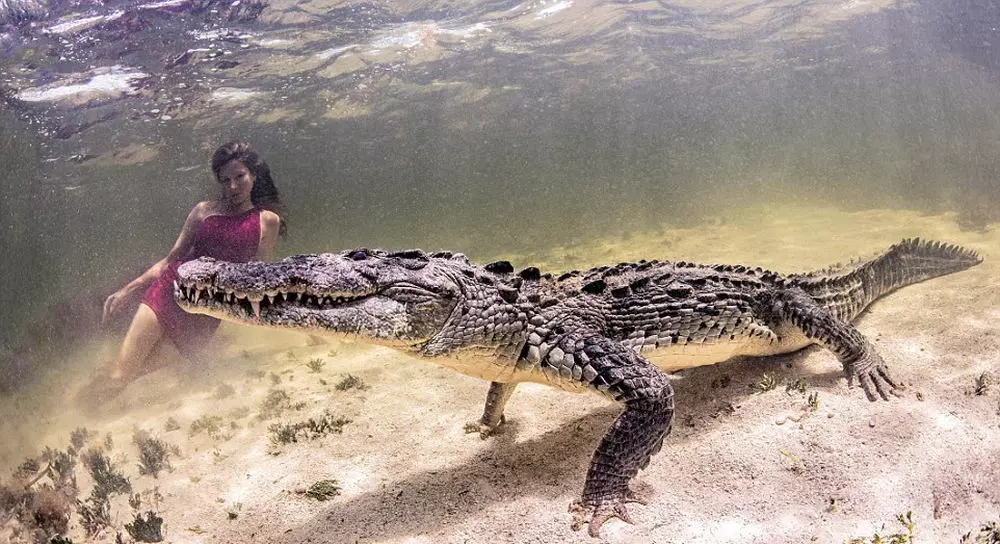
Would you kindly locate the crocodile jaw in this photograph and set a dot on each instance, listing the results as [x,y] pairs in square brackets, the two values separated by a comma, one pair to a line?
[334,299]
[356,317]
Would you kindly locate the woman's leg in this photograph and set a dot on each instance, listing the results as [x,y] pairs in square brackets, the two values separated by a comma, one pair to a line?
[142,336]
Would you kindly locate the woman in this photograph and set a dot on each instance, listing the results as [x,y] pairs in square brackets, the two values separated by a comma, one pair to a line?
[241,225]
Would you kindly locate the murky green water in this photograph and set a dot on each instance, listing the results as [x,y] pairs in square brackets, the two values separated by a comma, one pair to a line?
[483,127]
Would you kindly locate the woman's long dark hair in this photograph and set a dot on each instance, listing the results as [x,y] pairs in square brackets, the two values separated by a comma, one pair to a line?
[264,194]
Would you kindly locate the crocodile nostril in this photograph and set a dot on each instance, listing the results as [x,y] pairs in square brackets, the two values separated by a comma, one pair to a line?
[359,255]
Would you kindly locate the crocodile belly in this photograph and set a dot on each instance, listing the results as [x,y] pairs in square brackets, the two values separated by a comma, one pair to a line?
[681,356]
[692,354]
[487,367]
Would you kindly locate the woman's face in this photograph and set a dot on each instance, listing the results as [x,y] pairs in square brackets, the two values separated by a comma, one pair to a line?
[237,182]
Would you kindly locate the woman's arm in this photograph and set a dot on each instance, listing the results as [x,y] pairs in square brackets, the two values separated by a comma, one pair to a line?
[181,247]
[270,224]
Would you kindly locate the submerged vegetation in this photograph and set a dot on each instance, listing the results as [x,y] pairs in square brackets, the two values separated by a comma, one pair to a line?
[37,506]
[315,365]
[210,425]
[95,512]
[108,480]
[983,383]
[899,537]
[275,403]
[40,513]
[764,384]
[171,425]
[324,490]
[800,385]
[154,454]
[310,429]
[351,382]
[148,529]
[79,437]
[798,467]
[988,533]
[812,404]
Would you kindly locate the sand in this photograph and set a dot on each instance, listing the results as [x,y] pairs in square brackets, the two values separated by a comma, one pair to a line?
[740,465]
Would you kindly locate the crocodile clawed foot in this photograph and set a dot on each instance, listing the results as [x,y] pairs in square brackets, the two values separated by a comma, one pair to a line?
[595,515]
[484,430]
[873,375]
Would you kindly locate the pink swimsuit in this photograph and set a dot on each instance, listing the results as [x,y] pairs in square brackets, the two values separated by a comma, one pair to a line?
[231,238]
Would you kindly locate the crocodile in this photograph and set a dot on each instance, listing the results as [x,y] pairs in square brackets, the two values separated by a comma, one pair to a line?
[615,330]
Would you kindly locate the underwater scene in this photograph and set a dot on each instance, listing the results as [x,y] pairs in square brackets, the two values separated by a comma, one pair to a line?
[545,271]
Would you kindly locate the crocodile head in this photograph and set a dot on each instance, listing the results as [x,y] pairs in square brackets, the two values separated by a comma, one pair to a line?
[398,298]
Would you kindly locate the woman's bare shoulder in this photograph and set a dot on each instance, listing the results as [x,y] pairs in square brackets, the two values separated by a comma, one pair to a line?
[203,209]
[270,218]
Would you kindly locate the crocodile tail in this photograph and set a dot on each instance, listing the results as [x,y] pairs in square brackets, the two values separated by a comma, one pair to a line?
[847,290]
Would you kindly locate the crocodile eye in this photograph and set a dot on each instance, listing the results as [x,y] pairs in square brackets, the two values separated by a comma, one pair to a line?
[359,255]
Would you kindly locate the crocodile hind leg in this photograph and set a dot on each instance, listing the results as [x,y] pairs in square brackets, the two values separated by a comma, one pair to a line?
[634,437]
[492,419]
[857,354]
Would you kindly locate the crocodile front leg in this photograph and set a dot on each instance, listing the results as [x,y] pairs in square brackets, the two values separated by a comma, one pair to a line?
[496,400]
[636,435]
[861,361]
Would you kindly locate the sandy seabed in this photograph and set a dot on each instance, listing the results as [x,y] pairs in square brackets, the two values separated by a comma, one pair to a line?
[740,465]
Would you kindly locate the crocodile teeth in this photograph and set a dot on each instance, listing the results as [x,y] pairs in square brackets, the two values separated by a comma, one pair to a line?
[197,296]
[255,304]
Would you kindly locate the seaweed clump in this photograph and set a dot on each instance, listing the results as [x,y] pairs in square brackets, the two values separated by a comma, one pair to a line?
[42,496]
[276,402]
[62,466]
[211,425]
[107,480]
[906,520]
[95,512]
[351,382]
[316,365]
[989,533]
[765,384]
[324,490]
[154,454]
[41,514]
[310,429]
[149,529]
[983,383]
[79,437]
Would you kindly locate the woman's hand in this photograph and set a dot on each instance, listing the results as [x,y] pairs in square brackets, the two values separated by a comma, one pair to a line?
[182,246]
[114,302]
